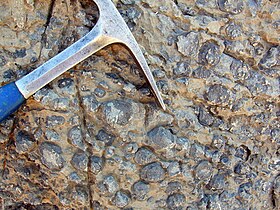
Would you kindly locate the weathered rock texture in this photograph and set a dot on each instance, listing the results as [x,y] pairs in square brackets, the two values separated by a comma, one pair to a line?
[94,137]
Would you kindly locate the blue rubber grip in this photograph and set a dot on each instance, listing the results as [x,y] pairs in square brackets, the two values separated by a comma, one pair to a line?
[10,100]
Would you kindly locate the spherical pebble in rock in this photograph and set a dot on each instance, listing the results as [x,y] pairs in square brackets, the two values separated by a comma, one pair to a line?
[80,194]
[188,45]
[201,73]
[75,137]
[109,151]
[205,118]
[96,164]
[2,61]
[152,172]
[144,156]
[61,104]
[105,137]
[54,120]
[197,150]
[121,199]
[100,93]
[233,31]
[245,191]
[118,112]
[218,141]
[257,83]
[51,156]
[161,138]
[24,141]
[111,184]
[204,170]
[8,75]
[159,74]
[80,161]
[90,103]
[217,182]
[52,135]
[140,190]
[232,6]
[218,94]
[209,54]
[242,152]
[174,168]
[173,187]
[182,69]
[271,58]
[163,86]
[176,201]
[240,70]
[74,177]
[65,83]
[182,144]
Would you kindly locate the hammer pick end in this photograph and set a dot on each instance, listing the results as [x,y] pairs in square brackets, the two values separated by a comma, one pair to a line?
[138,55]
[115,30]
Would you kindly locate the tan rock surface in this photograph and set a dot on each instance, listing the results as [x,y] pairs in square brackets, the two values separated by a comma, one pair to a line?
[94,137]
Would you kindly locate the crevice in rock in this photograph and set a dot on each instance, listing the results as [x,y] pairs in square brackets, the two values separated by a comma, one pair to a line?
[44,35]
[90,182]
[82,110]
[147,112]
[50,12]
[23,205]
[273,200]
[273,195]
[7,146]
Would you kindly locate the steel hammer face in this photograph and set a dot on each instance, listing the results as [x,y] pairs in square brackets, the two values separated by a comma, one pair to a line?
[110,28]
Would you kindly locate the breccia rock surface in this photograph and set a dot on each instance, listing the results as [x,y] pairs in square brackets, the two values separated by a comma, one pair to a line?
[94,138]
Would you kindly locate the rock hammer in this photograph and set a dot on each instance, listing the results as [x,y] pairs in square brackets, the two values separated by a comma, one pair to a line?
[110,28]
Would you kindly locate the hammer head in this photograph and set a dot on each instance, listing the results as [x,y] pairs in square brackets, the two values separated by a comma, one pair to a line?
[110,28]
[114,29]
